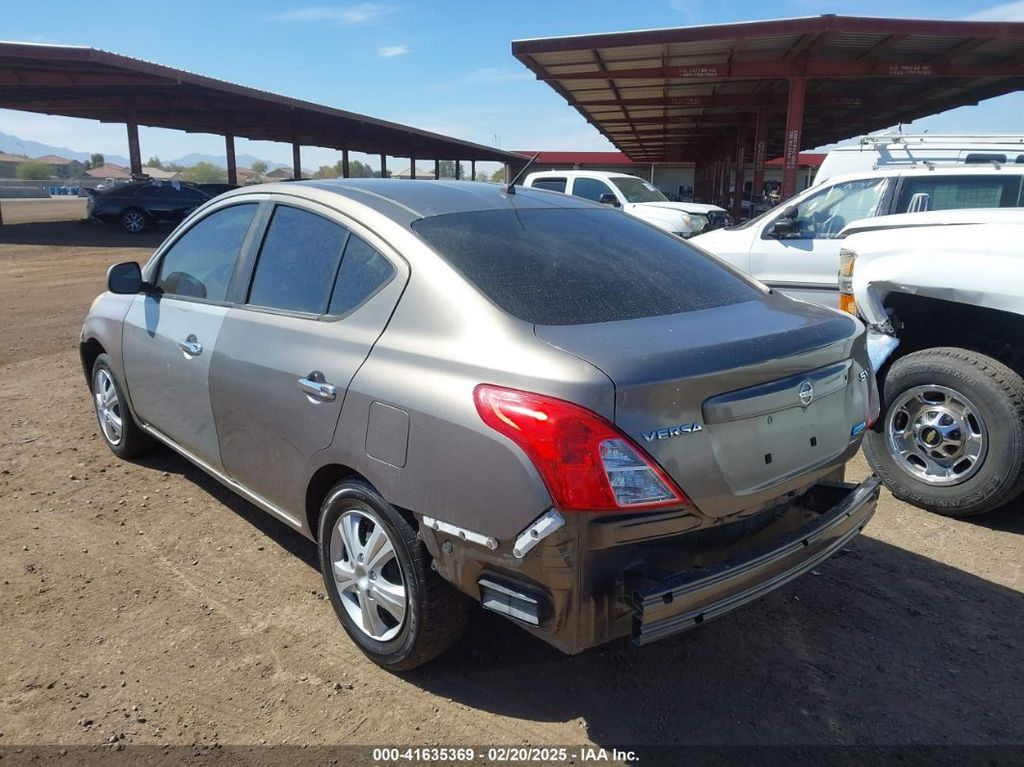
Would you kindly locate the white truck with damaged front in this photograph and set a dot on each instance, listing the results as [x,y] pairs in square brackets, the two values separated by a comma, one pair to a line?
[943,296]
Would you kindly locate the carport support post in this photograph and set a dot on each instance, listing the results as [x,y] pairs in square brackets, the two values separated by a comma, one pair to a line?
[458,171]
[383,166]
[296,160]
[134,155]
[472,172]
[741,174]
[760,150]
[344,163]
[437,169]
[229,151]
[794,127]
[412,168]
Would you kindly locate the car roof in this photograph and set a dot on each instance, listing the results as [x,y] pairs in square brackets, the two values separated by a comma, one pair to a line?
[582,173]
[1013,169]
[406,200]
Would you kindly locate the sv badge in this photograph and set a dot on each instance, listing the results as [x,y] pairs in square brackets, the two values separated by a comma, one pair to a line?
[672,431]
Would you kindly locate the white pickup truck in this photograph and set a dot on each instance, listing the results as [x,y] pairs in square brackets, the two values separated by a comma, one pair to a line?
[634,196]
[942,294]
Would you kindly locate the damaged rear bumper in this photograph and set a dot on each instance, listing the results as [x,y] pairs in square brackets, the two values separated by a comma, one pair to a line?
[667,603]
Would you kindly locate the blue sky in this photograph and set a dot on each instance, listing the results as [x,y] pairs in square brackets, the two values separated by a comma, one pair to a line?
[444,66]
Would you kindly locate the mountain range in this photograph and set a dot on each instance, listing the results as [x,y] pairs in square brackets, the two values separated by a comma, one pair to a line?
[14,145]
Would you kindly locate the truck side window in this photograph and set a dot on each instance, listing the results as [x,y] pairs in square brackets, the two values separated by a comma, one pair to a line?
[590,188]
[550,183]
[823,215]
[959,192]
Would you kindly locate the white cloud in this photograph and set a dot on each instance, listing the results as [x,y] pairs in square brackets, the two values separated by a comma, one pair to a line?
[390,51]
[1004,12]
[362,13]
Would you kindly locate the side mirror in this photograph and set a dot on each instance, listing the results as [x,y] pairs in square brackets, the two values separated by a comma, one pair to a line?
[609,199]
[125,278]
[785,227]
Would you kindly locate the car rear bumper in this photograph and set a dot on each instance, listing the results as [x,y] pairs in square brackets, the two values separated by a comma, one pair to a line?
[663,605]
[598,577]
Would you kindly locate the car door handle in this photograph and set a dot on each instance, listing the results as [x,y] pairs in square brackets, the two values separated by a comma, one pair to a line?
[191,347]
[316,387]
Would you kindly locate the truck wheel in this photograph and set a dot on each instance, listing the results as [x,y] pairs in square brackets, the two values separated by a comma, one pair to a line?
[397,609]
[951,437]
[122,435]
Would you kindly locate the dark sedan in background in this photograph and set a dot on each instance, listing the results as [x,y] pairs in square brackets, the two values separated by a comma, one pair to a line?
[136,206]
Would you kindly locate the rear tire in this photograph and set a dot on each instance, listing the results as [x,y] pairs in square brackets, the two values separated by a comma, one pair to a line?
[117,425]
[133,221]
[393,605]
[951,436]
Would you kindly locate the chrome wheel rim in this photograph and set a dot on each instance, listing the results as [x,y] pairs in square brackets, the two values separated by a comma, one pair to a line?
[133,221]
[108,407]
[936,435]
[368,577]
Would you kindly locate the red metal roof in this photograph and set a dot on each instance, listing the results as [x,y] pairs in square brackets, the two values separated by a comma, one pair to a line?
[807,159]
[688,93]
[84,82]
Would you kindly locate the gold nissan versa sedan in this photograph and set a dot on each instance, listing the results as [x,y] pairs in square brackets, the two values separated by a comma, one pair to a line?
[471,393]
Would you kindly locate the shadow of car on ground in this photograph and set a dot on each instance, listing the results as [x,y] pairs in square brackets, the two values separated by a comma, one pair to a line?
[879,646]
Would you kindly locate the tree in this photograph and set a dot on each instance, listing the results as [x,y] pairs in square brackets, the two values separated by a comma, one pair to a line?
[204,173]
[328,171]
[96,160]
[358,169]
[259,167]
[498,176]
[32,170]
[447,168]
[154,162]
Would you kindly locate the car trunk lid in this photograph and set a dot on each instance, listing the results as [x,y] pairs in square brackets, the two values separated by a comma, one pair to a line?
[714,395]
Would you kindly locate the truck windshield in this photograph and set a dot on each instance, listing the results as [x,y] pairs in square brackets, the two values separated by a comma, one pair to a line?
[638,190]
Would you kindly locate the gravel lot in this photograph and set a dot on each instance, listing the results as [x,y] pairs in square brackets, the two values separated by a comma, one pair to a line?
[144,602]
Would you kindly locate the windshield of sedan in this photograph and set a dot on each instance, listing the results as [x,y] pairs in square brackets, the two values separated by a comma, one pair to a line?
[575,266]
[638,190]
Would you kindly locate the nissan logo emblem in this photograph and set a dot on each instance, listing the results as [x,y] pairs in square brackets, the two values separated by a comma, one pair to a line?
[806,393]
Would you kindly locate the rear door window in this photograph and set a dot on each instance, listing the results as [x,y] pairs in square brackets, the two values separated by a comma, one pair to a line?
[959,192]
[550,183]
[298,262]
[363,272]
[590,188]
[201,262]
[570,266]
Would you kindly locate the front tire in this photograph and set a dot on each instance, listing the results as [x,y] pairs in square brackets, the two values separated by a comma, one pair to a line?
[117,425]
[378,576]
[951,437]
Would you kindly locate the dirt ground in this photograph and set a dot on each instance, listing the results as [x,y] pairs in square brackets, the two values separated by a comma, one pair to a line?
[144,602]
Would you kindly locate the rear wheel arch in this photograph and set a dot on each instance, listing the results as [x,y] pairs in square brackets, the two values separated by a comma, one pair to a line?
[319,487]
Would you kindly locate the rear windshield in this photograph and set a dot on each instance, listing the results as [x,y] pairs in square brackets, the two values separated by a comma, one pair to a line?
[564,266]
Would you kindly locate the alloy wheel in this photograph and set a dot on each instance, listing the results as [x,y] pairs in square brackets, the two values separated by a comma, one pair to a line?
[368,576]
[108,407]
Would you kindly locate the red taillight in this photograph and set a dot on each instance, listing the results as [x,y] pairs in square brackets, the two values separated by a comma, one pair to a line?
[586,463]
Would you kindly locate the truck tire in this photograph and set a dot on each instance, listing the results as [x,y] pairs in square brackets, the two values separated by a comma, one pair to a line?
[951,436]
[379,579]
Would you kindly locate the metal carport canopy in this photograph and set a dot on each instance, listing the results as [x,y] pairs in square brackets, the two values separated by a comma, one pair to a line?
[710,94]
[84,82]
